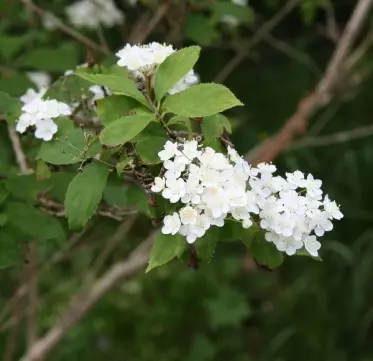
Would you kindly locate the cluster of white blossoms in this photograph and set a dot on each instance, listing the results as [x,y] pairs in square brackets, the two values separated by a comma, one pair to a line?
[94,13]
[142,59]
[212,187]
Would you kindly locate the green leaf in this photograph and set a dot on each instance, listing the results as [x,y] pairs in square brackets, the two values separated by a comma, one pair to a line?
[67,147]
[149,147]
[3,193]
[85,193]
[165,248]
[117,84]
[241,13]
[123,162]
[33,223]
[214,125]
[3,219]
[207,244]
[199,29]
[114,107]
[52,59]
[11,45]
[124,129]
[10,107]
[201,100]
[174,68]
[16,84]
[42,170]
[9,251]
[264,252]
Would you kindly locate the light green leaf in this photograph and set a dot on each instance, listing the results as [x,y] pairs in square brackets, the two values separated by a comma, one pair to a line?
[85,193]
[3,219]
[124,129]
[67,146]
[42,170]
[214,125]
[10,45]
[165,248]
[174,68]
[117,84]
[114,107]
[123,162]
[201,100]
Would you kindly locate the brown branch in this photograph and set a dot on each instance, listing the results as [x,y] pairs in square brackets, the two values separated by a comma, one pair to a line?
[85,300]
[18,151]
[29,4]
[320,96]
[259,35]
[145,26]
[335,138]
[12,337]
[57,209]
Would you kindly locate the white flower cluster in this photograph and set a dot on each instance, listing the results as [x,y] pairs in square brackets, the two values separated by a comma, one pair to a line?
[140,59]
[94,13]
[40,113]
[212,188]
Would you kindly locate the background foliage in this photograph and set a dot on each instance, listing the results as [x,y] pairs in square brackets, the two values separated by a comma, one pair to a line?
[231,308]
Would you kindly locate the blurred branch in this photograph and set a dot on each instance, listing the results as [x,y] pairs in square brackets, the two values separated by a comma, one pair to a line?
[145,26]
[259,35]
[83,301]
[58,209]
[321,95]
[29,4]
[335,138]
[18,151]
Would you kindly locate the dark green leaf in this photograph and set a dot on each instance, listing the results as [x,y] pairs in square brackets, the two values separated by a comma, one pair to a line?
[199,29]
[85,193]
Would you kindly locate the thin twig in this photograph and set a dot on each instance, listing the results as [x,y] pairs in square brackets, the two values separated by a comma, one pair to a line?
[320,96]
[32,275]
[259,35]
[335,138]
[293,53]
[12,337]
[83,301]
[66,29]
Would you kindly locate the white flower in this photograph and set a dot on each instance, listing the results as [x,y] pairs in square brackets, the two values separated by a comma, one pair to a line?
[41,79]
[321,223]
[93,13]
[240,2]
[45,129]
[200,227]
[312,245]
[175,190]
[211,186]
[170,150]
[31,95]
[188,215]
[159,184]
[313,187]
[288,245]
[332,209]
[171,224]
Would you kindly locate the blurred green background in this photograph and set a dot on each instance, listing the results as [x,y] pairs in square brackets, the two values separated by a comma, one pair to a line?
[229,309]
